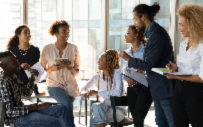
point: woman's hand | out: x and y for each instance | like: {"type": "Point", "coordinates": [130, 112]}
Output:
{"type": "Point", "coordinates": [170, 76]}
{"type": "Point", "coordinates": [140, 71]}
{"type": "Point", "coordinates": [124, 55]}
{"type": "Point", "coordinates": [171, 67]}
{"type": "Point", "coordinates": [43, 93]}
{"type": "Point", "coordinates": [55, 68]}
{"type": "Point", "coordinates": [35, 72]}
{"type": "Point", "coordinates": [130, 82]}
{"type": "Point", "coordinates": [67, 64]}
{"type": "Point", "coordinates": [93, 93]}
{"type": "Point", "coordinates": [26, 66]}
{"type": "Point", "coordinates": [86, 96]}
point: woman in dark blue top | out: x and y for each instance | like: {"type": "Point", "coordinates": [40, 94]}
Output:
{"type": "Point", "coordinates": [26, 53]}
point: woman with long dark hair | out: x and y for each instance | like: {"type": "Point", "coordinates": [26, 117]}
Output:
{"type": "Point", "coordinates": [25, 52]}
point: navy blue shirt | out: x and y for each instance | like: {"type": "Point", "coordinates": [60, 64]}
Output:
{"type": "Point", "coordinates": [157, 53]}
{"type": "Point", "coordinates": [31, 57]}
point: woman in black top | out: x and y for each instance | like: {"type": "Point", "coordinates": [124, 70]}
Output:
{"type": "Point", "coordinates": [26, 53]}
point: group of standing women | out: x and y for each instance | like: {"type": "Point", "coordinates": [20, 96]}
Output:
{"type": "Point", "coordinates": [177, 106]}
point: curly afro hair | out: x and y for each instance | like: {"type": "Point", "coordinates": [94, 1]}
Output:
{"type": "Point", "coordinates": [54, 28]}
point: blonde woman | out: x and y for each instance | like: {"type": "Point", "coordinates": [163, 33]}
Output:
{"type": "Point", "coordinates": [188, 94]}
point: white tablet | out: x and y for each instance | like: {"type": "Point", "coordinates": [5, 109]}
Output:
{"type": "Point", "coordinates": [58, 61]}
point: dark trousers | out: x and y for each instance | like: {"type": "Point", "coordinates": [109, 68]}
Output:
{"type": "Point", "coordinates": [139, 102]}
{"type": "Point", "coordinates": [188, 104]}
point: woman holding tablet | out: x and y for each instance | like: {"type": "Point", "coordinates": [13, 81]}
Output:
{"type": "Point", "coordinates": [188, 94]}
{"type": "Point", "coordinates": [62, 85]}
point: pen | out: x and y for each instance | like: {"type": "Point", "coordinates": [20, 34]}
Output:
{"type": "Point", "coordinates": [170, 67]}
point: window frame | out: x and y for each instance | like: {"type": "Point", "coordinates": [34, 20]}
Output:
{"type": "Point", "coordinates": [173, 28]}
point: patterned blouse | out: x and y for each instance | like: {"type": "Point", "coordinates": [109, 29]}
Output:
{"type": "Point", "coordinates": [11, 90]}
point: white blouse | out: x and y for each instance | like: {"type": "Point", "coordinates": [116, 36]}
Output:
{"type": "Point", "coordinates": [190, 60]}
{"type": "Point", "coordinates": [104, 95]}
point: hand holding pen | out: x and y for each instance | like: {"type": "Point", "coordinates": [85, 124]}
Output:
{"type": "Point", "coordinates": [171, 67]}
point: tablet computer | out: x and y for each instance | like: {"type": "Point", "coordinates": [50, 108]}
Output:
{"type": "Point", "coordinates": [58, 61]}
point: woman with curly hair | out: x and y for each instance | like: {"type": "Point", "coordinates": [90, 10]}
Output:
{"type": "Point", "coordinates": [108, 82]}
{"type": "Point", "coordinates": [62, 85]}
{"type": "Point", "coordinates": [26, 53]}
{"type": "Point", "coordinates": [138, 96]}
{"type": "Point", "coordinates": [188, 94]}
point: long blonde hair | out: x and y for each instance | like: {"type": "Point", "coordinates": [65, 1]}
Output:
{"type": "Point", "coordinates": [194, 19]}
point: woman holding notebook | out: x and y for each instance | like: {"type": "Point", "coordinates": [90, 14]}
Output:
{"type": "Point", "coordinates": [139, 96]}
{"type": "Point", "coordinates": [25, 52]}
{"type": "Point", "coordinates": [188, 94]}
{"type": "Point", "coordinates": [62, 85]}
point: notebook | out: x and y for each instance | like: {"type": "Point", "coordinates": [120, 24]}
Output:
{"type": "Point", "coordinates": [163, 71]}
{"type": "Point", "coordinates": [136, 76]}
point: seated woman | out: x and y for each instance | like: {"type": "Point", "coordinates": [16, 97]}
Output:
{"type": "Point", "coordinates": [25, 52]}
{"type": "Point", "coordinates": [108, 82]}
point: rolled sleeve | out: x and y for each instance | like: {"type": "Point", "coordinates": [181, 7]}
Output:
{"type": "Point", "coordinates": [77, 61]}
{"type": "Point", "coordinates": [15, 111]}
{"type": "Point", "coordinates": [90, 84]}
{"type": "Point", "coordinates": [43, 57]}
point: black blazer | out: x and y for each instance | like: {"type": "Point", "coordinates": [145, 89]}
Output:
{"type": "Point", "coordinates": [157, 53]}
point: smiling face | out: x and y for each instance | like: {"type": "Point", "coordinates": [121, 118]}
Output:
{"type": "Point", "coordinates": [63, 33]}
{"type": "Point", "coordinates": [102, 62]}
{"type": "Point", "coordinates": [183, 27]}
{"type": "Point", "coordinates": [130, 36]}
{"type": "Point", "coordinates": [138, 21]}
{"type": "Point", "coordinates": [24, 36]}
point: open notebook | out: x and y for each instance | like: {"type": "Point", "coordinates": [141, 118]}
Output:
{"type": "Point", "coordinates": [136, 76]}
{"type": "Point", "coordinates": [163, 71]}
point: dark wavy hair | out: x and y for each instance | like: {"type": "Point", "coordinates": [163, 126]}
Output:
{"type": "Point", "coordinates": [140, 33]}
{"type": "Point", "coordinates": [54, 28]}
{"type": "Point", "coordinates": [14, 40]}
{"type": "Point", "coordinates": [150, 11]}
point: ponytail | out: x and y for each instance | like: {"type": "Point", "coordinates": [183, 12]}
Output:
{"type": "Point", "coordinates": [150, 11]}
{"type": "Point", "coordinates": [14, 40]}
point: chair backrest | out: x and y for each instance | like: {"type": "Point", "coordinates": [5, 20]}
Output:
{"type": "Point", "coordinates": [2, 113]}
{"type": "Point", "coordinates": [117, 101]}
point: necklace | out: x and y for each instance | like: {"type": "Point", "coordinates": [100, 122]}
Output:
{"type": "Point", "coordinates": [21, 51]}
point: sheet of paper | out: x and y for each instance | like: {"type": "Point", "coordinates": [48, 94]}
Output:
{"type": "Point", "coordinates": [27, 73]}
{"type": "Point", "coordinates": [138, 77]}
{"type": "Point", "coordinates": [42, 73]}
